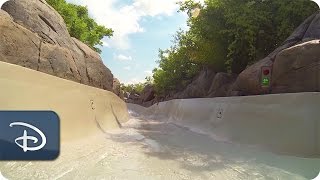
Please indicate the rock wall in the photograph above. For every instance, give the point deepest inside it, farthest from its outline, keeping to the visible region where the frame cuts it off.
(117, 88)
(34, 35)
(295, 64)
(296, 68)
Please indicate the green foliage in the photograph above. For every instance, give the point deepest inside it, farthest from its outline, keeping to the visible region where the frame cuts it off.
(227, 36)
(175, 69)
(80, 25)
(134, 88)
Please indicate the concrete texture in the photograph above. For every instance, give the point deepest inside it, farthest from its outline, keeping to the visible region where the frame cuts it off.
(83, 110)
(174, 140)
(283, 123)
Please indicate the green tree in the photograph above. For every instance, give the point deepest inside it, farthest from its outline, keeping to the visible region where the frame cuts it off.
(80, 25)
(133, 88)
(227, 36)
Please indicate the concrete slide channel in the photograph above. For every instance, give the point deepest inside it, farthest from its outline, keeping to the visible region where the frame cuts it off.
(255, 137)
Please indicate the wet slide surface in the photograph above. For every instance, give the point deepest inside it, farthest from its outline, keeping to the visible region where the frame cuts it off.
(159, 149)
(171, 140)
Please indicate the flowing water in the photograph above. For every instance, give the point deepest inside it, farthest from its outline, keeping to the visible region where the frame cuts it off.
(158, 149)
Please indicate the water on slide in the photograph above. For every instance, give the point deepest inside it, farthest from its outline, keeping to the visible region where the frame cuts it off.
(146, 148)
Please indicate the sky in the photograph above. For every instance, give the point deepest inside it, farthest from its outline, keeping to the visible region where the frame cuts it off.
(141, 28)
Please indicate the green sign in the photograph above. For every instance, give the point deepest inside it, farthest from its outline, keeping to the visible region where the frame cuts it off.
(265, 82)
(266, 76)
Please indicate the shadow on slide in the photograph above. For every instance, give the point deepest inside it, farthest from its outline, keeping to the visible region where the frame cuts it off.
(199, 153)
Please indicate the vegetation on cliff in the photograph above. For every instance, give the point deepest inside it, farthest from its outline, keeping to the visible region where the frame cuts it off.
(136, 88)
(80, 25)
(227, 36)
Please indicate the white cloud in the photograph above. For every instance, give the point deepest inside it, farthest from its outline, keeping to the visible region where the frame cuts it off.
(125, 20)
(121, 57)
(148, 72)
(105, 43)
(156, 7)
(128, 68)
(135, 81)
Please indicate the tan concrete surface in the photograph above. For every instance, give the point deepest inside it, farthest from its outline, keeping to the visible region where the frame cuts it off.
(159, 146)
(83, 110)
(283, 123)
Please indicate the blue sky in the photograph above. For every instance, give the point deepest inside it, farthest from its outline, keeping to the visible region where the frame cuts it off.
(142, 27)
(143, 53)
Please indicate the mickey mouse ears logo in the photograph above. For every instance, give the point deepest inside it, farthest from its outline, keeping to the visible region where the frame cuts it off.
(317, 178)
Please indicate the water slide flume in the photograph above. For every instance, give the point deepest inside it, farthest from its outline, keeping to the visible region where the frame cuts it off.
(283, 123)
(83, 110)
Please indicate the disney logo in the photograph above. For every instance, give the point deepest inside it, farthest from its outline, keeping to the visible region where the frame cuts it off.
(24, 138)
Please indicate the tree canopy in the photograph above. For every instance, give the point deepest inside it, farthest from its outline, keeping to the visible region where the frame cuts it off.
(136, 88)
(80, 25)
(227, 36)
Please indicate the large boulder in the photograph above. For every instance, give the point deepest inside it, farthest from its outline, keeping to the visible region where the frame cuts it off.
(134, 98)
(35, 36)
(18, 45)
(199, 87)
(248, 82)
(148, 93)
(117, 88)
(221, 84)
(297, 69)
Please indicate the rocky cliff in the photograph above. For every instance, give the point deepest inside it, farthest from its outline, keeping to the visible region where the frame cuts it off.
(296, 64)
(34, 35)
(295, 68)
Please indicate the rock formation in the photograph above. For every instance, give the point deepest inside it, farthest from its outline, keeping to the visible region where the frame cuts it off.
(295, 64)
(117, 88)
(148, 93)
(296, 68)
(35, 36)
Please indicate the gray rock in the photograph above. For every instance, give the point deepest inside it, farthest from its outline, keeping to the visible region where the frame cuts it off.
(117, 88)
(299, 34)
(297, 69)
(97, 73)
(148, 93)
(17, 44)
(248, 82)
(40, 18)
(221, 84)
(198, 87)
(313, 31)
(35, 36)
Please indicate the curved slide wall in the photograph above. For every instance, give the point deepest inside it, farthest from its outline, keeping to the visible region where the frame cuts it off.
(83, 110)
(283, 123)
